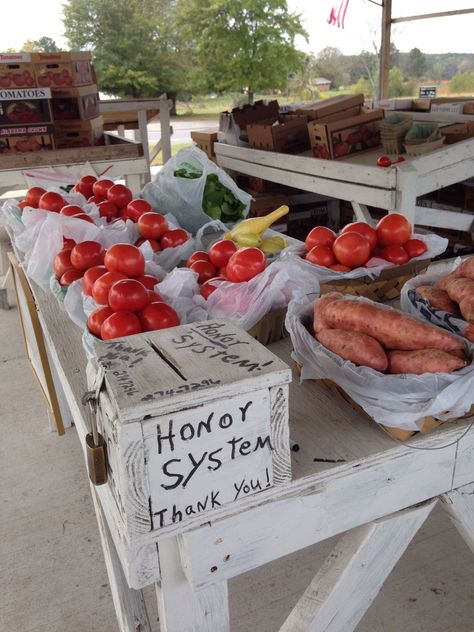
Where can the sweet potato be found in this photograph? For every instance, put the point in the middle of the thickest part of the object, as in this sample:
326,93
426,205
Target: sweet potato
392,328
467,308
460,288
318,320
466,269
423,361
469,332
443,282
439,299
358,348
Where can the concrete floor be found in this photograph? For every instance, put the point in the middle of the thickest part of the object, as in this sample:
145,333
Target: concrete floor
53,577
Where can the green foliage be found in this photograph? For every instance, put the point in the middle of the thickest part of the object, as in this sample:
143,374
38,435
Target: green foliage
416,66
329,65
133,43
363,86
42,45
395,82
462,83
239,45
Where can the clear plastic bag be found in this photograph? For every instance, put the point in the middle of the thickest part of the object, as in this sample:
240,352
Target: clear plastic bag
183,196
400,401
436,246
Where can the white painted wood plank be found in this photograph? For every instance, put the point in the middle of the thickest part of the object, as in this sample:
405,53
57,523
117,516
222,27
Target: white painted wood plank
182,609
129,604
439,218
354,572
459,504
345,190
362,213
305,512
165,128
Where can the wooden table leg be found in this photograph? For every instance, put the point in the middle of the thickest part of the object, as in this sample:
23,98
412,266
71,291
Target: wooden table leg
354,572
181,609
129,604
459,503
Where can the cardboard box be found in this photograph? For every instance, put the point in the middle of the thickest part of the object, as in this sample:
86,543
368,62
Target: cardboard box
468,108
69,104
448,108
326,107
233,124
63,69
348,136
395,104
205,140
457,132
79,133
26,138
25,106
300,222
288,135
17,71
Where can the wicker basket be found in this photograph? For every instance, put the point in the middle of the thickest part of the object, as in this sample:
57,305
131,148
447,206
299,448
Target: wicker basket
270,328
385,287
423,148
392,132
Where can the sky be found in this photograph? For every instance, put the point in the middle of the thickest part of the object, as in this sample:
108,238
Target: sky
362,25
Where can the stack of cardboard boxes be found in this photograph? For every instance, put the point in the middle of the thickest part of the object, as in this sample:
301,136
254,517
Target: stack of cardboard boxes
48,100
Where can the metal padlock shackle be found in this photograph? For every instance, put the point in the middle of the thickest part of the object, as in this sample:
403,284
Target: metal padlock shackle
95,444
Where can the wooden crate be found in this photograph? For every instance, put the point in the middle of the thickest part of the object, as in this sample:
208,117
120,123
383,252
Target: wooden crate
385,287
195,418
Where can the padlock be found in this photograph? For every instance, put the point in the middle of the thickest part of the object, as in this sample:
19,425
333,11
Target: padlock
95,444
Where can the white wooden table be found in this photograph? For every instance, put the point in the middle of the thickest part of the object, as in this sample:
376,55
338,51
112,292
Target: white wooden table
359,180
349,478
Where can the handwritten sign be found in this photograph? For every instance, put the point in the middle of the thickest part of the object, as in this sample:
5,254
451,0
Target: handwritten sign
208,456
427,92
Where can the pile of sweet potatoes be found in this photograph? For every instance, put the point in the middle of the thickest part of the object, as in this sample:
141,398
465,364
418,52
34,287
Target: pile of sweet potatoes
384,338
454,293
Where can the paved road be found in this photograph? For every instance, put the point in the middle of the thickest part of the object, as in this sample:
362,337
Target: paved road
181,130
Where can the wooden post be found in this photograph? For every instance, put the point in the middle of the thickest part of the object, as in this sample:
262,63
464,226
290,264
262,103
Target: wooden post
165,127
143,129
384,66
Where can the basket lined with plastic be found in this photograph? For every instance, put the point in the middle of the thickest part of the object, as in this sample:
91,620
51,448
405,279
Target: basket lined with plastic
405,401
423,138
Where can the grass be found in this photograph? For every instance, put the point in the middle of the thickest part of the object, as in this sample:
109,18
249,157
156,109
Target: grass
158,161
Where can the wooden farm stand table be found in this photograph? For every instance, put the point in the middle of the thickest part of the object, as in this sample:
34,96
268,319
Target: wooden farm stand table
349,477
359,180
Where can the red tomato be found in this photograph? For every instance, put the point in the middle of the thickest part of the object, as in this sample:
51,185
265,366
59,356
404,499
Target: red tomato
320,235
321,256
62,262
340,268
415,247
363,229
245,264
150,225
33,195
68,243
51,201
222,272
119,325
87,254
107,210
208,287
158,316
137,208
90,277
119,194
95,199
220,252
85,185
128,295
384,161
22,204
393,229
205,270
399,159
395,254
70,210
173,238
154,297
69,276
199,255
148,281
101,287
96,318
123,214
351,249
154,245
100,188
125,258
84,217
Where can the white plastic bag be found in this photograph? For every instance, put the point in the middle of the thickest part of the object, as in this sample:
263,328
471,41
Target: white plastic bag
436,246
11,216
183,196
412,303
400,401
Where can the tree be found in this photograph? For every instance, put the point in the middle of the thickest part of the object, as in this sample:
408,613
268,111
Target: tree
329,64
133,44
395,82
42,45
416,65
239,44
